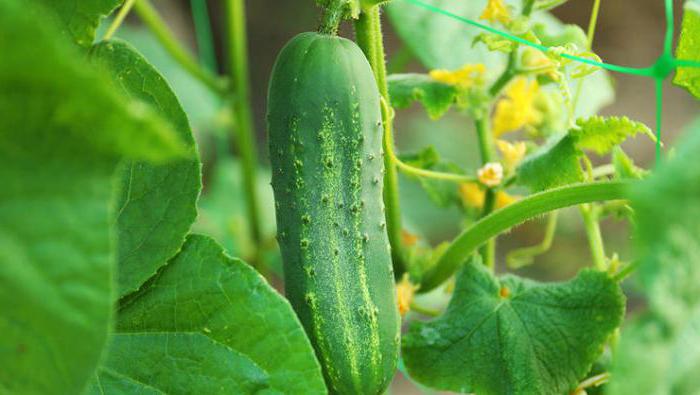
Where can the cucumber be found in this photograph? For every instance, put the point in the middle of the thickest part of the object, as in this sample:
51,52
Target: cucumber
325,134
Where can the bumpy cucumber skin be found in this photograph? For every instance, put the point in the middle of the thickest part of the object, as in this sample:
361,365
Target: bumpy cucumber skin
325,133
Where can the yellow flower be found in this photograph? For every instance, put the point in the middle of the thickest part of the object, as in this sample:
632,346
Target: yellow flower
504,199
512,153
496,11
472,195
517,108
466,77
491,174
404,294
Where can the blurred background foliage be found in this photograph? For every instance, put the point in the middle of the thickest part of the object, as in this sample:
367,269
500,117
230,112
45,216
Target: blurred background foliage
630,32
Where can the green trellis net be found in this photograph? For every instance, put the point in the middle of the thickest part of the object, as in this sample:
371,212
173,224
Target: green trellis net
659,71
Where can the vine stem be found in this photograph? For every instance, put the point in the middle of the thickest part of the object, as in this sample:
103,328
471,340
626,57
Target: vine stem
203,34
368,32
512,215
524,256
595,237
167,39
485,137
245,136
119,19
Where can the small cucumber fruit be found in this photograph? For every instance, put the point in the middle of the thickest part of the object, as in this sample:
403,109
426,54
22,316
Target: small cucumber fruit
325,133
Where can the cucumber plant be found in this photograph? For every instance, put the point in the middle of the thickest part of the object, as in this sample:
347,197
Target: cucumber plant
116,277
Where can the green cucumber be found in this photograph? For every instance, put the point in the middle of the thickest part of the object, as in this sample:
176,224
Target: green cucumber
325,132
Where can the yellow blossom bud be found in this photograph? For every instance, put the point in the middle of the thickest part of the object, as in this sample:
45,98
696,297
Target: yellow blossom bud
496,11
491,174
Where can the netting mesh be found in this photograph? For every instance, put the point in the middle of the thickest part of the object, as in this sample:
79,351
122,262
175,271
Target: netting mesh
664,66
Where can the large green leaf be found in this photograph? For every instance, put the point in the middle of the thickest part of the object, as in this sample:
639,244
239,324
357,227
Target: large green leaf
689,48
78,19
157,204
554,164
515,336
63,131
668,248
176,363
204,291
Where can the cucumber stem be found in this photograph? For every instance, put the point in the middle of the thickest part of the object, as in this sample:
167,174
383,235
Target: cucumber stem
240,89
368,32
332,16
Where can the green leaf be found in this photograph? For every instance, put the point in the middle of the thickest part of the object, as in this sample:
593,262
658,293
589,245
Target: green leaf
158,203
63,132
442,193
436,97
204,291
650,359
689,48
554,164
668,233
78,19
175,363
602,134
668,252
515,336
